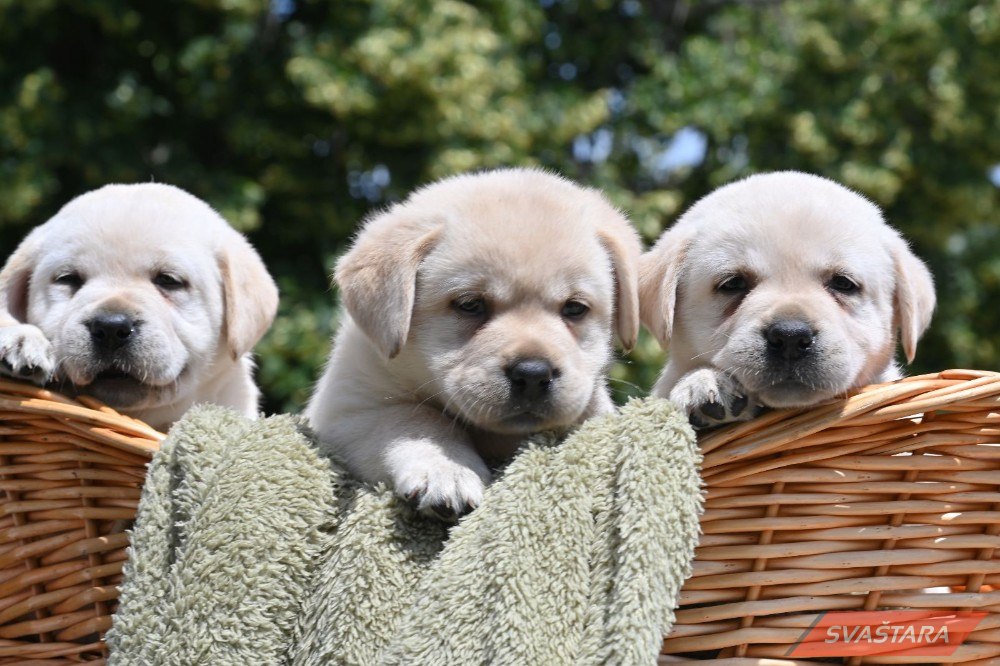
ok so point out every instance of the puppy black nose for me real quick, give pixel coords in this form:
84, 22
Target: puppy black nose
111, 331
530, 378
789, 339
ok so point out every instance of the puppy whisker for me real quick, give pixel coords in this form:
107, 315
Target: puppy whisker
704, 353
625, 383
428, 398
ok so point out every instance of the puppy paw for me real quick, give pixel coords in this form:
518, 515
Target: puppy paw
712, 398
25, 353
442, 488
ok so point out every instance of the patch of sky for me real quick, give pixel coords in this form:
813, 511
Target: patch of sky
662, 157
369, 184
594, 148
282, 9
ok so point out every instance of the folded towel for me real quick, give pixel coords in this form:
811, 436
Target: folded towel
228, 529
251, 549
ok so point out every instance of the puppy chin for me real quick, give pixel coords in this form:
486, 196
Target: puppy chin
794, 387
120, 392
119, 389
792, 393
524, 423
507, 419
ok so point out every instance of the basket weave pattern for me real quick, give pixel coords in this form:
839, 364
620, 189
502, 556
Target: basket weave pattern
71, 472
863, 504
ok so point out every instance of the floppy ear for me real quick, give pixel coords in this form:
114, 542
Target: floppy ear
251, 297
624, 247
378, 276
659, 277
914, 297
15, 278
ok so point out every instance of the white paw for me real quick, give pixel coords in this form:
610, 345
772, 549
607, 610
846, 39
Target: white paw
25, 353
712, 398
441, 487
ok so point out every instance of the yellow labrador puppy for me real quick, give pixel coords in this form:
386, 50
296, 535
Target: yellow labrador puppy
479, 311
141, 296
780, 290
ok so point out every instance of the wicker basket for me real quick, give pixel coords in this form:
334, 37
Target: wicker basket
71, 473
860, 504
863, 504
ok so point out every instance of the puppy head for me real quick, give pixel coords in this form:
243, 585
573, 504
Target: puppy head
497, 295
142, 290
791, 282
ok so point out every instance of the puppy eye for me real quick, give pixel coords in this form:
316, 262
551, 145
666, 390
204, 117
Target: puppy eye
69, 279
470, 306
169, 281
843, 284
733, 285
574, 309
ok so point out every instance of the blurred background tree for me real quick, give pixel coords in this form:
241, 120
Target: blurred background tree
297, 117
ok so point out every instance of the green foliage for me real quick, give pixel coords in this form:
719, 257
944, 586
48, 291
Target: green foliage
297, 118
896, 100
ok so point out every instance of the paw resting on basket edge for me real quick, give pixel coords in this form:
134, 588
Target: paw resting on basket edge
25, 353
712, 398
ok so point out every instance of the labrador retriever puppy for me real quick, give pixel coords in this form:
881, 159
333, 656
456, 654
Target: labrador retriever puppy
780, 290
141, 296
479, 311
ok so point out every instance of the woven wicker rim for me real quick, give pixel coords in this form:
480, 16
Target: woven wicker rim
860, 504
787, 495
71, 473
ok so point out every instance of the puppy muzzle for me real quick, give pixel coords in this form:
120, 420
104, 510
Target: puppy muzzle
115, 361
789, 365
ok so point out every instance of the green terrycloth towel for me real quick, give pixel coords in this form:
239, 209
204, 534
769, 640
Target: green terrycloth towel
249, 548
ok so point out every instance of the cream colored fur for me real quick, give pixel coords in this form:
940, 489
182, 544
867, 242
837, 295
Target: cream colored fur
793, 237
191, 343
416, 391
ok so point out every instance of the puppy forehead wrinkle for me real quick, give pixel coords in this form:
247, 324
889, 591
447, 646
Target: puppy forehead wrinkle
78, 251
770, 243
515, 234
762, 256
505, 279
525, 246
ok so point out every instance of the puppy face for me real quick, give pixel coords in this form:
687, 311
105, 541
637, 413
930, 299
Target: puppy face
134, 326
516, 279
514, 333
141, 290
791, 284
